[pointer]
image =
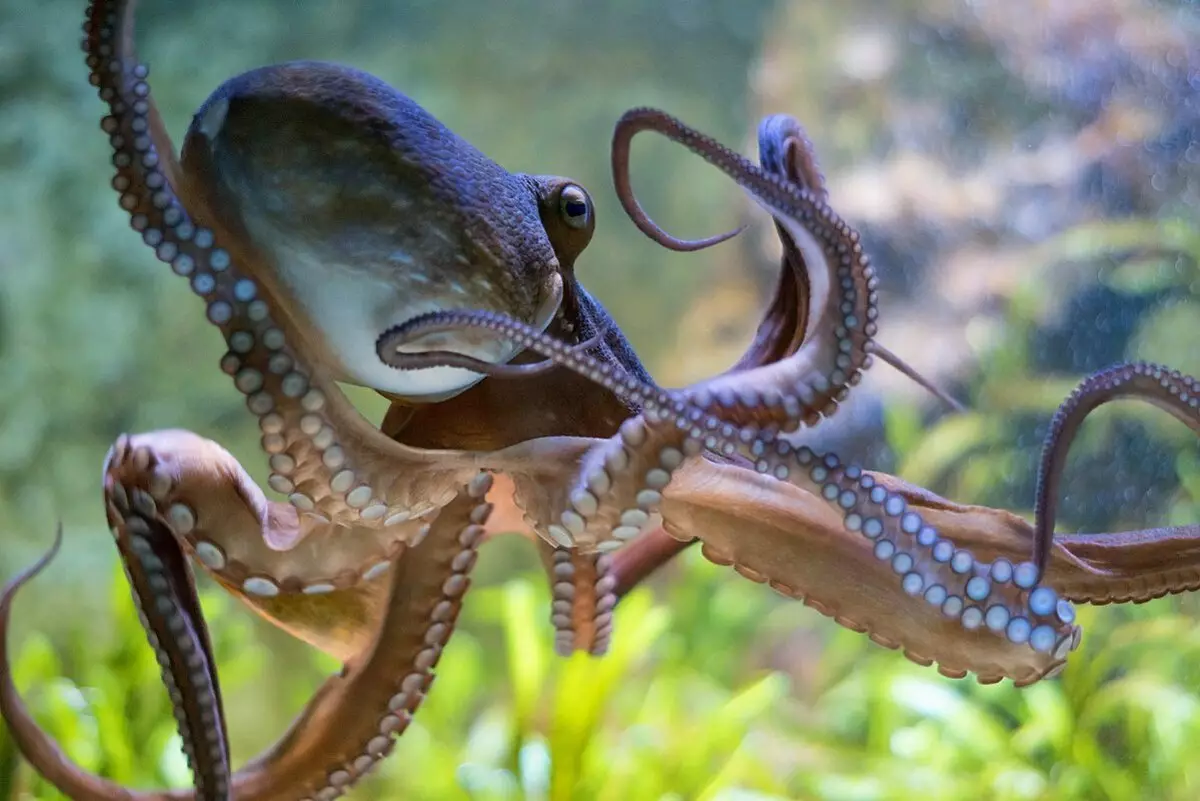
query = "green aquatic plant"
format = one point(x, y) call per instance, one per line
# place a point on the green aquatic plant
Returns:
point(512, 721)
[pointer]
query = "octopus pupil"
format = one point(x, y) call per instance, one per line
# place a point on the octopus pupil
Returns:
point(576, 208)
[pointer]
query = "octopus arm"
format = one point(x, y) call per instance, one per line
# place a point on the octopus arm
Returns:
point(1116, 567)
point(864, 569)
point(582, 598)
point(324, 457)
point(803, 375)
point(1125, 566)
point(320, 582)
point(348, 726)
point(1128, 566)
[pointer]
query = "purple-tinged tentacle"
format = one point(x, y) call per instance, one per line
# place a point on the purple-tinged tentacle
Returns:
point(842, 301)
point(1170, 390)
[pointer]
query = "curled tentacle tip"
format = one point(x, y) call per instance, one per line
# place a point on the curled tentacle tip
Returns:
point(692, 245)
point(400, 360)
point(920, 380)
point(387, 346)
point(631, 122)
point(29, 573)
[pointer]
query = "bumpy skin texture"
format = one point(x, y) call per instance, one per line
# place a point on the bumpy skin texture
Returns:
point(335, 230)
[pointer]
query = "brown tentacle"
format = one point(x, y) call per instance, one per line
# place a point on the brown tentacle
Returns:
point(697, 428)
point(351, 721)
point(1129, 566)
point(316, 580)
point(338, 468)
point(634, 563)
point(785, 150)
point(1170, 390)
point(624, 189)
point(908, 370)
point(842, 304)
point(583, 599)
point(35, 745)
point(965, 614)
point(165, 592)
point(170, 612)
point(588, 493)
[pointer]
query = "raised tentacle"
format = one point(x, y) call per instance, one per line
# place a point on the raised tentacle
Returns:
point(785, 150)
point(624, 189)
point(1170, 390)
point(351, 722)
point(341, 470)
point(582, 599)
point(170, 613)
point(810, 382)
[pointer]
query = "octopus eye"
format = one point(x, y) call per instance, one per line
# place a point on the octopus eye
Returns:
point(575, 206)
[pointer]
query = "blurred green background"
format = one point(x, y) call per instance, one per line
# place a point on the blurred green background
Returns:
point(1026, 175)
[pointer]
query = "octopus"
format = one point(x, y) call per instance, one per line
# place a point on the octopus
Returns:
point(336, 232)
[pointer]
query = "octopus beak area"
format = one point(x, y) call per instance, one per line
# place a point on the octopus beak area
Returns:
point(439, 380)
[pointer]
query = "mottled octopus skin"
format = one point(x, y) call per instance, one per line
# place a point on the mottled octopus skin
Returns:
point(370, 555)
